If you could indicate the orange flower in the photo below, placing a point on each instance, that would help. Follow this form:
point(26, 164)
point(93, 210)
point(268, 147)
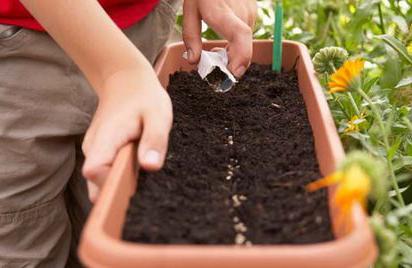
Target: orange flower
point(344, 78)
point(353, 185)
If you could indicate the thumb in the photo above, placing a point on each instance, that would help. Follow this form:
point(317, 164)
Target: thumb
point(154, 140)
point(192, 27)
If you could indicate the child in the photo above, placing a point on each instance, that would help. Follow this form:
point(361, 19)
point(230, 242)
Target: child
point(86, 75)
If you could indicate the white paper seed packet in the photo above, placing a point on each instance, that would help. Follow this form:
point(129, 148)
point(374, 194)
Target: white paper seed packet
point(209, 60)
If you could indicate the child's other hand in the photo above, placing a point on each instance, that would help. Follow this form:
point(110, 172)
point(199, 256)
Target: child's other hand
point(132, 105)
point(232, 19)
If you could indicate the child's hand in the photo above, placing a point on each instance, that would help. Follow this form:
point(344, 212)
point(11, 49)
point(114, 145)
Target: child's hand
point(233, 19)
point(133, 104)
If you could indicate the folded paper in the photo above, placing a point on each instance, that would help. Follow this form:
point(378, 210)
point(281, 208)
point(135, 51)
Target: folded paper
point(209, 60)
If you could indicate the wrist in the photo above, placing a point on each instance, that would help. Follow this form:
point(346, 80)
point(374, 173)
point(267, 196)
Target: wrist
point(129, 78)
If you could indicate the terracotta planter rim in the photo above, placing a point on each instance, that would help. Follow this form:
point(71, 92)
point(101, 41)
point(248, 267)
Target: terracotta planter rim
point(345, 241)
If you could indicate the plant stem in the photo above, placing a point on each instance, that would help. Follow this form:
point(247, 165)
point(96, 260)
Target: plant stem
point(386, 144)
point(381, 21)
point(353, 102)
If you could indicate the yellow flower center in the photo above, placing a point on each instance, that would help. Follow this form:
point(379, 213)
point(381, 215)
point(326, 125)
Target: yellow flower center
point(353, 124)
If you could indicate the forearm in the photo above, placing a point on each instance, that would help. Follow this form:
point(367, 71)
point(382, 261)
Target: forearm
point(89, 37)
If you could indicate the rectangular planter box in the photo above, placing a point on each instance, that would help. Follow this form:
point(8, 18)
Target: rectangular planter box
point(101, 244)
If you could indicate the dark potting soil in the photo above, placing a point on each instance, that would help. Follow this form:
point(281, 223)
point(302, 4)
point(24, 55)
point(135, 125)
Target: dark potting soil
point(236, 168)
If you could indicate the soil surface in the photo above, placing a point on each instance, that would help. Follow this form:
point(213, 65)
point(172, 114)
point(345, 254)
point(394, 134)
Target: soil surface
point(236, 168)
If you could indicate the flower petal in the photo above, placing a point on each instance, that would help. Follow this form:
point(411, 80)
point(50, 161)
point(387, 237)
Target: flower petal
point(334, 178)
point(342, 79)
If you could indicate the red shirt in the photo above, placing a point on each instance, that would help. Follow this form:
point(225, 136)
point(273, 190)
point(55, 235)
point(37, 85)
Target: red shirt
point(123, 12)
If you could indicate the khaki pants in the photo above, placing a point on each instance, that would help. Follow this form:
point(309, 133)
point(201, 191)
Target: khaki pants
point(46, 106)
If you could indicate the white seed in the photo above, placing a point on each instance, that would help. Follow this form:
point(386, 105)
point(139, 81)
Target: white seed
point(235, 219)
point(230, 173)
point(228, 178)
point(276, 105)
point(236, 201)
point(240, 239)
point(240, 227)
point(230, 140)
point(242, 198)
point(318, 219)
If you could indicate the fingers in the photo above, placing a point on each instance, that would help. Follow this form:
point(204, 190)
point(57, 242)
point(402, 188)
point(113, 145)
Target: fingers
point(192, 27)
point(154, 140)
point(238, 33)
point(101, 147)
point(93, 191)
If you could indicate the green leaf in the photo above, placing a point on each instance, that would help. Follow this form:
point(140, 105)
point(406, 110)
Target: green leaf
point(394, 148)
point(404, 82)
point(357, 23)
point(392, 72)
point(370, 83)
point(403, 178)
point(402, 162)
point(266, 12)
point(397, 46)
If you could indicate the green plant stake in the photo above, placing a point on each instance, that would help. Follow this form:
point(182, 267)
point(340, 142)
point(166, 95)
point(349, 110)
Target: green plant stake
point(277, 37)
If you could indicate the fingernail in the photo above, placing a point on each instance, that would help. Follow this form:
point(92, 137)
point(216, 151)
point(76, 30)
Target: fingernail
point(93, 191)
point(190, 54)
point(240, 71)
point(152, 157)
